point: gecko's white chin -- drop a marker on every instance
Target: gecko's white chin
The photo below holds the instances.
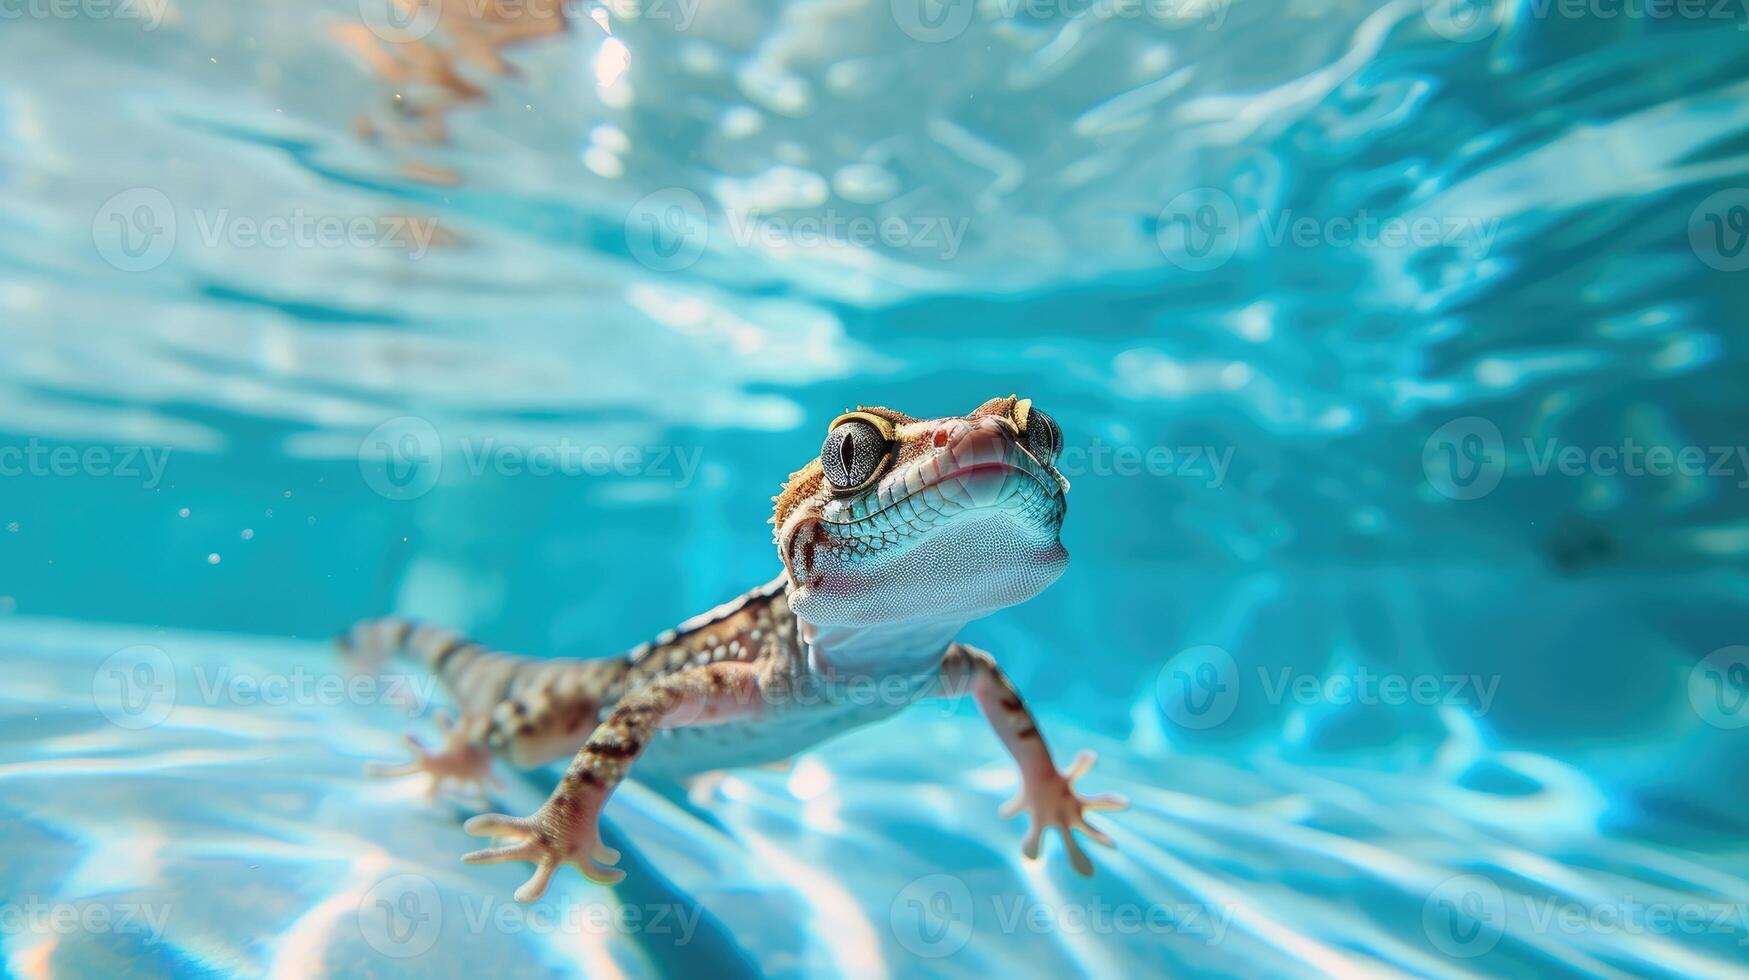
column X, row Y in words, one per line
column 964, row 571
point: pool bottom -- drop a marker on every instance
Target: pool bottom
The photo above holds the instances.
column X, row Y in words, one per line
column 184, row 804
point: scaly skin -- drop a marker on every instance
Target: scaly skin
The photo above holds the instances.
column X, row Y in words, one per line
column 899, row 534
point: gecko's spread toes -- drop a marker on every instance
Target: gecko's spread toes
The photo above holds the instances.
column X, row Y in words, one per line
column 546, row 840
column 461, row 758
column 1051, row 801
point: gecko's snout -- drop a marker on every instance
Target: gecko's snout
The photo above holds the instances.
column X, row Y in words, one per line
column 980, row 463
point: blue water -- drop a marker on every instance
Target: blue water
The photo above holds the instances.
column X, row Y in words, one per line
column 311, row 313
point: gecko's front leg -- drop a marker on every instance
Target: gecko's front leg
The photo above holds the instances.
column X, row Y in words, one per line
column 1047, row 795
column 567, row 827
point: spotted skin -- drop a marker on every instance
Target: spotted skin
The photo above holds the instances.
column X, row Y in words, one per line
column 909, row 529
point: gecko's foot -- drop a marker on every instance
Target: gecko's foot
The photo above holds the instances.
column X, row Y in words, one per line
column 1052, row 802
column 553, row 836
column 460, row 758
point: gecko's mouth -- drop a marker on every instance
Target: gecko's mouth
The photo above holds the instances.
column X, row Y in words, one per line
column 975, row 485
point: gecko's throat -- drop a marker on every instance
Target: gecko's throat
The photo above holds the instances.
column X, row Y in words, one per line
column 969, row 527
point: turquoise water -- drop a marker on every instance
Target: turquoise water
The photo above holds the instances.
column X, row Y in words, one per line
column 1399, row 351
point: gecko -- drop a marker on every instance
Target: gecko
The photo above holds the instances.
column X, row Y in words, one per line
column 899, row 533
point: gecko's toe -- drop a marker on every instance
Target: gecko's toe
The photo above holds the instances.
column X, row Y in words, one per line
column 496, row 855
column 594, row 867
column 1094, row 834
column 497, row 825
column 1078, row 858
column 1105, row 801
column 1083, row 763
column 600, row 875
column 536, row 885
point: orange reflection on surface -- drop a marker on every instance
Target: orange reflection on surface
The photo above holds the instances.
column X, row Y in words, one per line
column 424, row 64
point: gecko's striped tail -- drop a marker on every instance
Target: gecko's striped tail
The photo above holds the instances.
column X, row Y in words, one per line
column 473, row 672
column 372, row 643
column 535, row 708
column 470, row 671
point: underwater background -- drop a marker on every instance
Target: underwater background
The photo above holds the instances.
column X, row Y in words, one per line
column 1400, row 351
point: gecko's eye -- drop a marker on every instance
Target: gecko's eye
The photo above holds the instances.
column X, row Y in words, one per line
column 1043, row 437
column 853, row 454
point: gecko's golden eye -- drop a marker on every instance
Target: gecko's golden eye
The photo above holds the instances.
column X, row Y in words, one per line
column 854, row 451
column 1043, row 437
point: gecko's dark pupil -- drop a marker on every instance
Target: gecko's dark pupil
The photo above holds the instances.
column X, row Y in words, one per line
column 847, row 451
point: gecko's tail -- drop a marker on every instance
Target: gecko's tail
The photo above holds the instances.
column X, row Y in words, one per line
column 538, row 708
column 468, row 669
column 372, row 643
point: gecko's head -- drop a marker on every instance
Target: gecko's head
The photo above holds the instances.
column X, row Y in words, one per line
column 902, row 518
